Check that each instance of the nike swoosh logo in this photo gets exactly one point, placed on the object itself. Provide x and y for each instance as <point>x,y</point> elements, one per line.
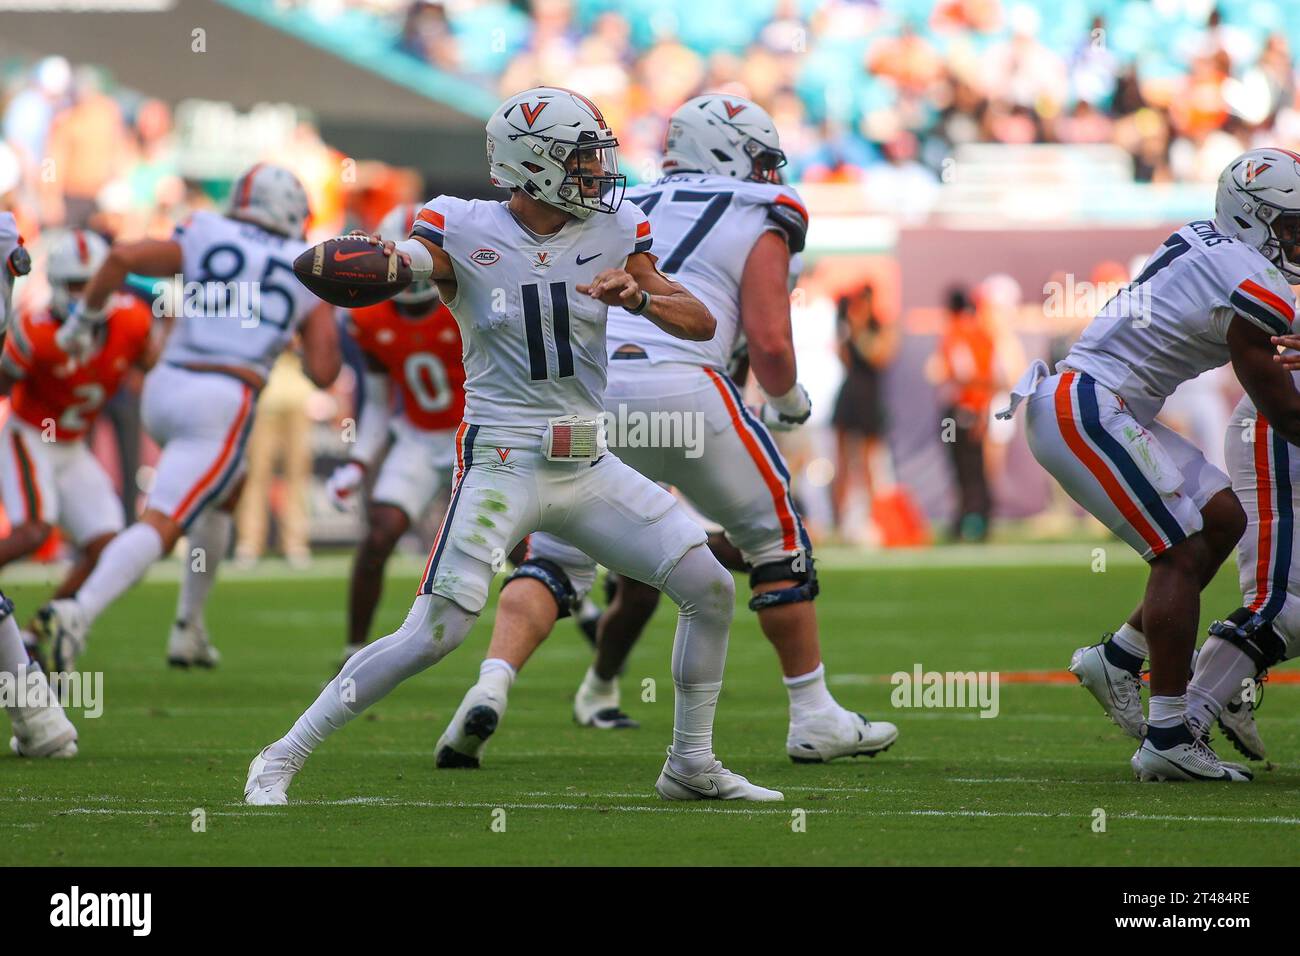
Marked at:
<point>583,262</point>
<point>345,256</point>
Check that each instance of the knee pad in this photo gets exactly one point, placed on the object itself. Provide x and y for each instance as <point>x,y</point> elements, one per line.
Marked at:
<point>551,575</point>
<point>1253,636</point>
<point>805,590</point>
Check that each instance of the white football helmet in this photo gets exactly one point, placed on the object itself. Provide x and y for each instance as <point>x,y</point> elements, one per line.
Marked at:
<point>396,225</point>
<point>555,145</point>
<point>1258,202</point>
<point>273,198</point>
<point>725,136</point>
<point>74,256</point>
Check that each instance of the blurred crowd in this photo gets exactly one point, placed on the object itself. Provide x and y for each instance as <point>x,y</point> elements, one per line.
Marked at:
<point>888,89</point>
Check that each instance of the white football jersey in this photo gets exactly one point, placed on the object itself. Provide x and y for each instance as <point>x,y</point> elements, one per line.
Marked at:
<point>241,302</point>
<point>8,242</point>
<point>1170,323</point>
<point>534,346</point>
<point>705,227</point>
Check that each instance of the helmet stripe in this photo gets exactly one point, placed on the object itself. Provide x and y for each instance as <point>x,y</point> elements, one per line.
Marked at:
<point>246,187</point>
<point>595,110</point>
<point>83,251</point>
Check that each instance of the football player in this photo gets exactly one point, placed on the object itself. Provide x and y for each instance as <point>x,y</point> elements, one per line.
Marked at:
<point>40,727</point>
<point>530,281</point>
<point>48,474</point>
<point>410,342</point>
<point>239,307</point>
<point>1216,291</point>
<point>729,230</point>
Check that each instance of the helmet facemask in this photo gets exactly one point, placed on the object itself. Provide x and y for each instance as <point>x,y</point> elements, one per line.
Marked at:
<point>591,181</point>
<point>1283,245</point>
<point>764,162</point>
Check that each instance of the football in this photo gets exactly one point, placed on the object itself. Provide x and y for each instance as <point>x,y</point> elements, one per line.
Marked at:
<point>351,272</point>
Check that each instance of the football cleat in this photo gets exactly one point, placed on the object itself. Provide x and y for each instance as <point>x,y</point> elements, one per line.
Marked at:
<point>836,733</point>
<point>716,783</point>
<point>269,778</point>
<point>42,730</point>
<point>475,720</point>
<point>1187,758</point>
<point>593,709</point>
<point>1117,690</point>
<point>63,625</point>
<point>1237,721</point>
<point>188,646</point>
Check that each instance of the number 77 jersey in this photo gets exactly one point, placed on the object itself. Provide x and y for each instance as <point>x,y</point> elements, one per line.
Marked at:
<point>534,345</point>
<point>1170,323</point>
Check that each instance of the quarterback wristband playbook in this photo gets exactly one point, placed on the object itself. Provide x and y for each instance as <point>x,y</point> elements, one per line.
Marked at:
<point>421,260</point>
<point>574,438</point>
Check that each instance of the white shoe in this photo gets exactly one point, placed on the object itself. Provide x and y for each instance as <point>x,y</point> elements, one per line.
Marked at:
<point>594,709</point>
<point>269,779</point>
<point>716,783</point>
<point>188,646</point>
<point>836,732</point>
<point>42,729</point>
<point>63,625</point>
<point>1237,721</point>
<point>475,720</point>
<point>1189,759</point>
<point>1118,691</point>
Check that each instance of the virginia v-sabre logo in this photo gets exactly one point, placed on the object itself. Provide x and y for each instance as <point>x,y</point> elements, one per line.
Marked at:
<point>75,909</point>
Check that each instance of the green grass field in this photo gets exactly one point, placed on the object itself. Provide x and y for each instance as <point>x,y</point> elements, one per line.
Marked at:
<point>956,789</point>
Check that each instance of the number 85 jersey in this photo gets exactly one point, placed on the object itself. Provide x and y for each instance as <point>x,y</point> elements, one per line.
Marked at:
<point>241,303</point>
<point>534,345</point>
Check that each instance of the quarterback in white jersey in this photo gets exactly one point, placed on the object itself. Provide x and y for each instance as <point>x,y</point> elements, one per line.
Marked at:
<point>1215,291</point>
<point>529,282</point>
<point>236,306</point>
<point>726,229</point>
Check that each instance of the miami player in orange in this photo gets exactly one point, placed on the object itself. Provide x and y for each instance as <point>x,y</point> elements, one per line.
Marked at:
<point>412,347</point>
<point>48,475</point>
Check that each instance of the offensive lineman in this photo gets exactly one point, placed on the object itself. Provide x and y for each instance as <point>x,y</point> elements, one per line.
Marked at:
<point>729,230</point>
<point>40,727</point>
<point>198,402</point>
<point>1213,292</point>
<point>412,343</point>
<point>530,281</point>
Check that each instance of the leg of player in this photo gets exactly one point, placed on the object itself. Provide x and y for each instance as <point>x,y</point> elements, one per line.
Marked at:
<point>41,729</point>
<point>618,629</point>
<point>23,540</point>
<point>526,613</point>
<point>208,537</point>
<point>124,561</point>
<point>1111,670</point>
<point>434,628</point>
<point>385,525</point>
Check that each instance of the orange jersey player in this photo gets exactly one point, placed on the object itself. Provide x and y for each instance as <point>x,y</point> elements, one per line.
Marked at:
<point>48,474</point>
<point>411,345</point>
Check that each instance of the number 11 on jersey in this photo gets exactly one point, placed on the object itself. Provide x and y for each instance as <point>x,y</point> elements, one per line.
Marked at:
<point>534,329</point>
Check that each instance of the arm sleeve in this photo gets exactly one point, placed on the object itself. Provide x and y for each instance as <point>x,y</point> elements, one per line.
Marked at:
<point>1265,302</point>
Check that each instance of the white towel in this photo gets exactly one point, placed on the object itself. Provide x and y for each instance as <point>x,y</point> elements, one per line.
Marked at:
<point>1027,385</point>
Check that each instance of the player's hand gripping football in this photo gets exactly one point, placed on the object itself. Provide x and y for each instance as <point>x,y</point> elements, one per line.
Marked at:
<point>343,484</point>
<point>614,287</point>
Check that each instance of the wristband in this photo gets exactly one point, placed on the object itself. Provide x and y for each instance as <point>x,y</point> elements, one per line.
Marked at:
<point>642,306</point>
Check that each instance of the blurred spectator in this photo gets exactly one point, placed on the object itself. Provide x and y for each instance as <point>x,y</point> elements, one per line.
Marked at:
<point>87,148</point>
<point>964,370</point>
<point>867,346</point>
<point>281,435</point>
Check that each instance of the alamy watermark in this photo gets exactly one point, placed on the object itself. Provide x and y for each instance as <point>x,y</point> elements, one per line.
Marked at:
<point>957,690</point>
<point>74,690</point>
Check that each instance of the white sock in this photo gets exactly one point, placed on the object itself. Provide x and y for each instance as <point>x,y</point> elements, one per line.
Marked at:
<point>13,655</point>
<point>209,539</point>
<point>1130,639</point>
<point>596,685</point>
<point>496,677</point>
<point>1167,711</point>
<point>808,693</point>
<point>121,564</point>
<point>705,595</point>
<point>434,628</point>
<point>1220,670</point>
